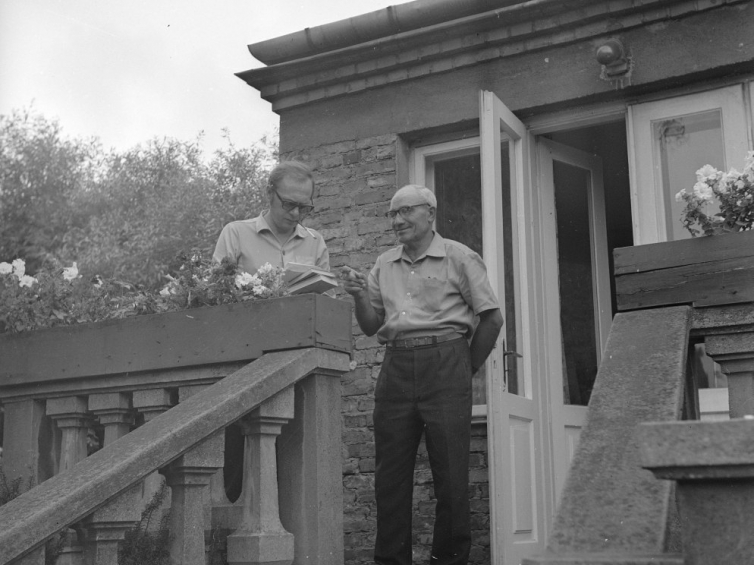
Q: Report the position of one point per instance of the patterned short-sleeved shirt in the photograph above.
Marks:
(441, 292)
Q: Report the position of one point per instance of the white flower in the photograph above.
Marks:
(703, 191)
(680, 195)
(706, 172)
(265, 269)
(19, 268)
(98, 282)
(165, 292)
(71, 272)
(26, 280)
(5, 268)
(244, 279)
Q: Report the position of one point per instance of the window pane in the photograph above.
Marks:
(683, 145)
(576, 286)
(458, 187)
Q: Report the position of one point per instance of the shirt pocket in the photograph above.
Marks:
(432, 292)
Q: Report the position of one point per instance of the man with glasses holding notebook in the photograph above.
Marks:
(276, 236)
(423, 299)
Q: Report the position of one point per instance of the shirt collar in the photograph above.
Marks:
(436, 249)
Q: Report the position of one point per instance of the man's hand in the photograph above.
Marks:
(354, 282)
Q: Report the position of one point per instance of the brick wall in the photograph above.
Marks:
(355, 181)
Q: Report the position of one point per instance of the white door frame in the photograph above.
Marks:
(516, 458)
(567, 420)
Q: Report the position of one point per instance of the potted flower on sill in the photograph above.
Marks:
(733, 191)
(701, 271)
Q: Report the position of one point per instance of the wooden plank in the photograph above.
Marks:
(66, 498)
(683, 252)
(705, 271)
(720, 282)
(236, 332)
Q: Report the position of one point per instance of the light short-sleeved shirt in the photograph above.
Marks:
(439, 293)
(251, 244)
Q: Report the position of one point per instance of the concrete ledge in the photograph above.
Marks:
(605, 559)
(698, 450)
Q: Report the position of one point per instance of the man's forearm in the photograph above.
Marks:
(367, 318)
(485, 336)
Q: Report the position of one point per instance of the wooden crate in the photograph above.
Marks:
(703, 271)
(234, 332)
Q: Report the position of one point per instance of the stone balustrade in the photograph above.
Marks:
(98, 445)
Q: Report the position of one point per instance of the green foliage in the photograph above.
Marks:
(12, 488)
(121, 215)
(149, 542)
(61, 296)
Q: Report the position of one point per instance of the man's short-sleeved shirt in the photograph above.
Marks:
(251, 244)
(441, 292)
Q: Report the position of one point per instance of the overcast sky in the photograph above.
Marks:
(129, 70)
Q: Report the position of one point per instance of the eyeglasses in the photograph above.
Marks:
(404, 211)
(290, 206)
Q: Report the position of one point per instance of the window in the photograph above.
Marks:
(670, 140)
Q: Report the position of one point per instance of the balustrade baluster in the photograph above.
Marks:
(735, 354)
(261, 539)
(188, 476)
(106, 527)
(151, 403)
(71, 416)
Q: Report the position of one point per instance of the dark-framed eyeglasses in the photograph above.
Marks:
(404, 211)
(290, 206)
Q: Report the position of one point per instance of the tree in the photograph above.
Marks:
(41, 174)
(122, 214)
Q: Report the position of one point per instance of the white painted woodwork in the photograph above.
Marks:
(567, 420)
(647, 197)
(516, 458)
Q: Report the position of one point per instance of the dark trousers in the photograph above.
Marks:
(425, 389)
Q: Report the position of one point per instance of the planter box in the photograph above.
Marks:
(235, 332)
(702, 271)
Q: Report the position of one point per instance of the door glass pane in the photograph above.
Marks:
(683, 145)
(458, 187)
(577, 314)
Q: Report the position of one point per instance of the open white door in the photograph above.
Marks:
(576, 275)
(514, 424)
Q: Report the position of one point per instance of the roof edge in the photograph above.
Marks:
(368, 27)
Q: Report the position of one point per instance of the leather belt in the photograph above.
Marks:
(411, 342)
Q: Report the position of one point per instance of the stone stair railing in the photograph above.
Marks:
(640, 423)
(101, 493)
(166, 421)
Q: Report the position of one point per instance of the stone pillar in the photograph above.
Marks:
(713, 466)
(311, 472)
(261, 539)
(23, 420)
(151, 403)
(187, 478)
(71, 416)
(735, 354)
(113, 411)
(106, 527)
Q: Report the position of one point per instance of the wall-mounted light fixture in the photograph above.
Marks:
(612, 56)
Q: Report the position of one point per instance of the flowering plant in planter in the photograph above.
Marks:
(734, 192)
(58, 296)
